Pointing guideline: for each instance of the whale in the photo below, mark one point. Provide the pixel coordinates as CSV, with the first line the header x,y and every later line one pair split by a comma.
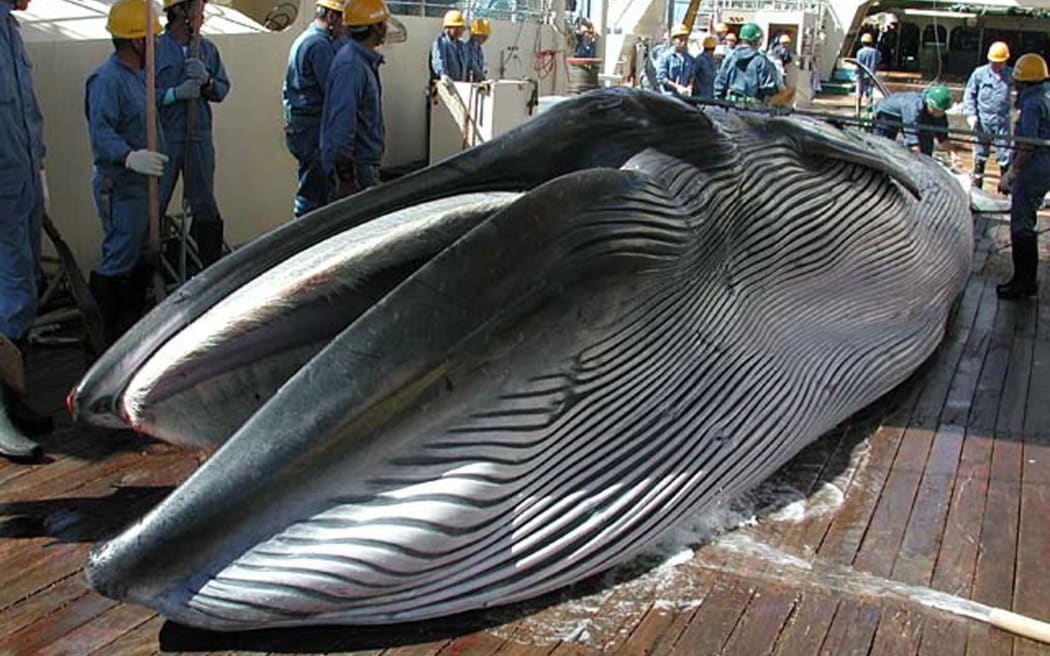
x,y
514,369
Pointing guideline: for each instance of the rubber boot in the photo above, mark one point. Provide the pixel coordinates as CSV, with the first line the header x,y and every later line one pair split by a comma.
x,y
13,443
207,232
1025,255
977,175
106,290
21,414
131,291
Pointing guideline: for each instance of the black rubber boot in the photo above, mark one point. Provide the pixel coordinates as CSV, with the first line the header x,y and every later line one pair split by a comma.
x,y
1025,255
207,232
106,290
977,175
13,443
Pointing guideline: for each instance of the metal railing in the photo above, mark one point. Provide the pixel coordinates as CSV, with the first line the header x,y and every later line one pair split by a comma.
x,y
519,11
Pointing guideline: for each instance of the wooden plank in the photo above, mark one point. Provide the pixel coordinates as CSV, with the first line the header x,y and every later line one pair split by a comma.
x,y
900,630
656,632
1032,584
964,382
805,630
140,640
921,542
99,632
994,575
770,610
985,408
944,635
478,643
852,630
45,631
41,605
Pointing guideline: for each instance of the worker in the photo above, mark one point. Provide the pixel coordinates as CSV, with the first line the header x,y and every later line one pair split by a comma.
x,y
115,104
782,49
480,29
587,43
746,75
986,104
22,206
352,128
309,61
921,116
721,33
1028,178
203,81
870,57
674,70
447,54
704,69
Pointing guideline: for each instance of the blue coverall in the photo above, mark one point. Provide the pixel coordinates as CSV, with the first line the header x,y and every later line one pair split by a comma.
x,y
352,129
746,74
674,67
907,112
586,48
475,61
870,57
987,96
199,184
309,62
1033,180
448,57
21,194
704,71
115,104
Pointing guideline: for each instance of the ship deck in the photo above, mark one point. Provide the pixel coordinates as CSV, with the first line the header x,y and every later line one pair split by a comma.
x,y
943,485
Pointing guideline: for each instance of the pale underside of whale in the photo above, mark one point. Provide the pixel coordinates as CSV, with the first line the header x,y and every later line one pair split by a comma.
x,y
514,369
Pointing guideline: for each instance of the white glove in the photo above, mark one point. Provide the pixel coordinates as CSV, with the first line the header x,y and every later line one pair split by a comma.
x,y
45,192
146,162
972,122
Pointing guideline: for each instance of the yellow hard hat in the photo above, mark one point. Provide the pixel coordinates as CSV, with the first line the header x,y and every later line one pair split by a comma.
x,y
731,37
998,52
334,5
785,38
480,26
1030,67
866,37
127,20
359,13
679,30
721,27
710,42
453,18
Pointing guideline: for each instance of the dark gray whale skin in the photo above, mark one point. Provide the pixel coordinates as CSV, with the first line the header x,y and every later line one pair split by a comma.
x,y
676,304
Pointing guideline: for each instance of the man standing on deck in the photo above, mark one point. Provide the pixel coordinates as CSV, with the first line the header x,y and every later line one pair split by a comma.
x,y
1028,179
480,30
674,70
22,204
115,104
705,69
186,83
352,129
869,56
746,75
986,103
309,61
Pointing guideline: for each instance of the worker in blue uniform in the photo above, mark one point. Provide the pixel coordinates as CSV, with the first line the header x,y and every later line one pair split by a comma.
x,y
192,156
309,61
747,75
986,104
115,104
674,70
352,129
480,30
586,43
448,52
920,116
23,195
1028,179
870,57
782,49
705,69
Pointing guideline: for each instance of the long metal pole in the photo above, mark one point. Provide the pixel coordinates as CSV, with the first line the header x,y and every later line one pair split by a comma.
x,y
151,144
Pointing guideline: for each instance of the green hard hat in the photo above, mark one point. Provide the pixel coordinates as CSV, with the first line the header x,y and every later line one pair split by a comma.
x,y
939,98
751,33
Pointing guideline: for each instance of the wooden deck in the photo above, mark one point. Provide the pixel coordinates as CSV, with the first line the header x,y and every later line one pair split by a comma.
x,y
944,484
